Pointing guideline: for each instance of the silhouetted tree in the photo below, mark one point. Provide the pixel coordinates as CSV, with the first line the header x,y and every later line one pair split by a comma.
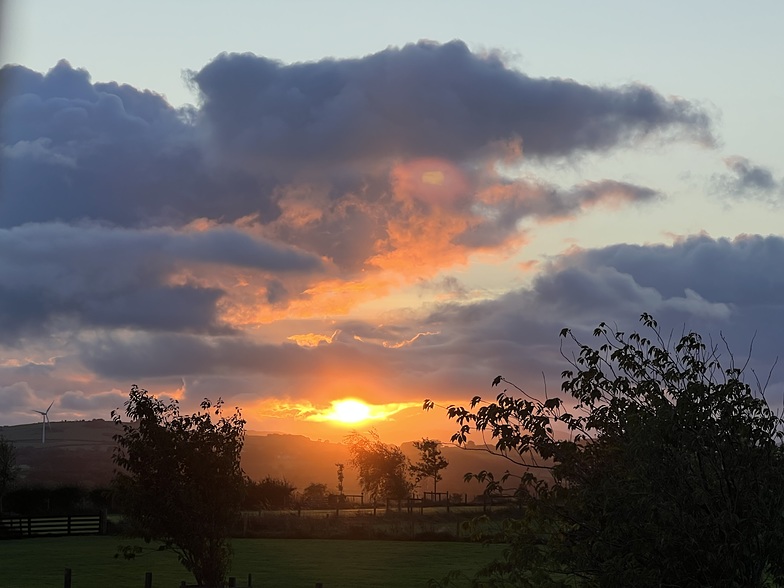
x,y
180,480
8,469
669,470
430,463
383,468
269,493
341,477
315,495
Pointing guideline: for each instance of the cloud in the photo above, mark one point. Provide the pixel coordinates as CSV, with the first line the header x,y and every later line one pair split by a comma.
x,y
371,164
747,180
421,100
501,206
75,150
145,243
16,397
109,277
714,286
77,402
153,355
733,271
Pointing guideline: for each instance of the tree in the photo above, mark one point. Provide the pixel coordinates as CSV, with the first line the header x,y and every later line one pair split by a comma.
x,y
341,477
269,493
430,463
8,469
382,468
668,472
315,495
180,480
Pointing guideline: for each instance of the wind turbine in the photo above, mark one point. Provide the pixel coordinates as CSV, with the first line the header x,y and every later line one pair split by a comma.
x,y
44,421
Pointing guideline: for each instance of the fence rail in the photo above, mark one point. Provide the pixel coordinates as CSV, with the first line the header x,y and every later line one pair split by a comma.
x,y
19,526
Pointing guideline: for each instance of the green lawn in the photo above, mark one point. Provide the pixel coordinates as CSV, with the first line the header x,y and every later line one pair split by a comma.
x,y
274,563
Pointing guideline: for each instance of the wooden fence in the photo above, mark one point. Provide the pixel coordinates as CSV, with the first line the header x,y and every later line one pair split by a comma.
x,y
38,526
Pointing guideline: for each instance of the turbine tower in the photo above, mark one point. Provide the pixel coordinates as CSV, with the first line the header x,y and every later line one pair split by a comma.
x,y
44,421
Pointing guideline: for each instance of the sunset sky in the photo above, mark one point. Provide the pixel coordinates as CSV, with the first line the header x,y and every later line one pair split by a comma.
x,y
287,204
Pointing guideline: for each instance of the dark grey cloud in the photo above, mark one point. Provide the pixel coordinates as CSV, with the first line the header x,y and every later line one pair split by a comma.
x,y
741,271
109,277
423,99
519,200
224,245
74,150
154,355
718,287
748,180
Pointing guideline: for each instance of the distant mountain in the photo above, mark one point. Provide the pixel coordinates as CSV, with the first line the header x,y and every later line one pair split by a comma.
x,y
80,453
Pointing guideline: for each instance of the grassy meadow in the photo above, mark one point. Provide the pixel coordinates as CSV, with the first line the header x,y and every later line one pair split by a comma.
x,y
274,563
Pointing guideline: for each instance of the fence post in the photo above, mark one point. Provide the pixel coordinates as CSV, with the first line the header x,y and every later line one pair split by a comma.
x,y
68,532
319,585
147,579
250,581
183,584
67,578
232,582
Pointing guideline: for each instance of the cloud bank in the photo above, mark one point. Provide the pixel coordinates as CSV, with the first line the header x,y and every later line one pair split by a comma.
x,y
241,242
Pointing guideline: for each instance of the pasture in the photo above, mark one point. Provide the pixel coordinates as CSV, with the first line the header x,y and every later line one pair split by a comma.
x,y
274,563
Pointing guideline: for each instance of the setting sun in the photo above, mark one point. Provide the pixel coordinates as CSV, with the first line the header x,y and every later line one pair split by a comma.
x,y
349,411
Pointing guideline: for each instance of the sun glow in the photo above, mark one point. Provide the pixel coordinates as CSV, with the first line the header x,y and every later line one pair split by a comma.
x,y
349,411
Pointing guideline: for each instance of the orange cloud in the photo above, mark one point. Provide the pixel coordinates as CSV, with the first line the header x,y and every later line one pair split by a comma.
x,y
433,181
408,342
305,410
313,339
435,217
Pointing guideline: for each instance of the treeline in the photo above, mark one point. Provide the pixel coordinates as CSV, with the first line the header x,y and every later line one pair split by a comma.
x,y
60,500
267,494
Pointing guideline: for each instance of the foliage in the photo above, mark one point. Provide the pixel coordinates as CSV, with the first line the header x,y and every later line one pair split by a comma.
x,y
668,472
430,463
315,495
383,468
180,480
341,477
8,468
57,500
269,493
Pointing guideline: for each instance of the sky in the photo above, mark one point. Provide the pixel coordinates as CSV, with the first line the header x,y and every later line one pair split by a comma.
x,y
288,204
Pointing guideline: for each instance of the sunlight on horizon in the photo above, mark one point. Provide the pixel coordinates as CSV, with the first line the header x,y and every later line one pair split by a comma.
x,y
349,410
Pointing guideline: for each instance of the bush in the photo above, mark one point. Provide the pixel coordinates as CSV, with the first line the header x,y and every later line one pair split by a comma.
x,y
667,471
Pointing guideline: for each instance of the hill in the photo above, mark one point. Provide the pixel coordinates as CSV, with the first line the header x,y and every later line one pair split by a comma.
x,y
80,453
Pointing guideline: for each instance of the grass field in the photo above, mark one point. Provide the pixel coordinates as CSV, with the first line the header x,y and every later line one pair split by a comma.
x,y
274,563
